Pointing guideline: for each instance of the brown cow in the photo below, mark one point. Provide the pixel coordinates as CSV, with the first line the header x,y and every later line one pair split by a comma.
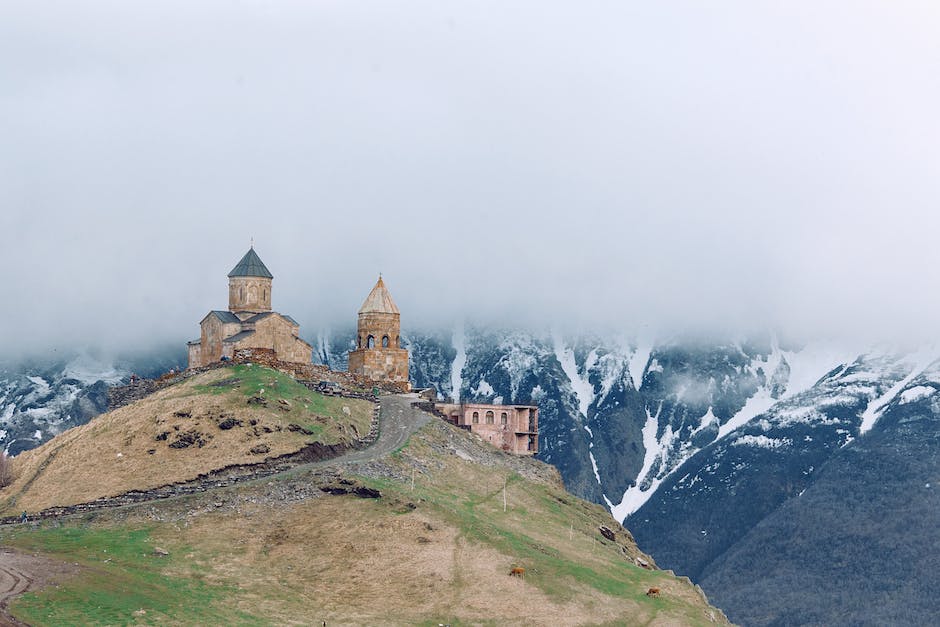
x,y
653,592
517,571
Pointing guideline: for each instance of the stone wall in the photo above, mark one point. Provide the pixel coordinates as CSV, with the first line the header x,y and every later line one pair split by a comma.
x,y
275,332
249,293
380,363
315,372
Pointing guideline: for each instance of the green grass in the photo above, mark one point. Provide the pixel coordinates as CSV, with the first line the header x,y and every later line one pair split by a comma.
x,y
550,563
250,381
120,575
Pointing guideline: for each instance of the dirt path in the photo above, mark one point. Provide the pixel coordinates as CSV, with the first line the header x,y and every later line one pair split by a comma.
x,y
21,573
397,421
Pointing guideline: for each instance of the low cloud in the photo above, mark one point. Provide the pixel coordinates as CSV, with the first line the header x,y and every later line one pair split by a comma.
x,y
676,168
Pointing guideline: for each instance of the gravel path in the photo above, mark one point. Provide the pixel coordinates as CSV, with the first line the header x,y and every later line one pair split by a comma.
x,y
397,421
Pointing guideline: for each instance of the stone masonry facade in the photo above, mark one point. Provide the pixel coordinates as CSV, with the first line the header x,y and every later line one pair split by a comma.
x,y
249,322
378,354
512,428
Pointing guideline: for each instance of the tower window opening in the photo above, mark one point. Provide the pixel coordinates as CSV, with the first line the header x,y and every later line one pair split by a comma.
x,y
370,342
384,341
476,417
489,417
503,418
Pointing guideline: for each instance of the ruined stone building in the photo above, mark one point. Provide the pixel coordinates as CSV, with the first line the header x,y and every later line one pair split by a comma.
x,y
378,354
513,428
249,321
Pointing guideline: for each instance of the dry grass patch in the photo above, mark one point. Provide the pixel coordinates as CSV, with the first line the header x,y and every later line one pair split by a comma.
x,y
238,415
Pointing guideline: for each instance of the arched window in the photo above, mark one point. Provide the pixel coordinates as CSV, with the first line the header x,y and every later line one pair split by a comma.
x,y
489,417
265,297
384,341
241,294
397,342
503,418
370,342
359,342
476,417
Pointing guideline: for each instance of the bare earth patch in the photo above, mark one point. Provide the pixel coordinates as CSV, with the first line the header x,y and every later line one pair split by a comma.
x,y
21,572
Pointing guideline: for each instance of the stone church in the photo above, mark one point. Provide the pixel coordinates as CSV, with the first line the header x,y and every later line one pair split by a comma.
x,y
378,353
249,321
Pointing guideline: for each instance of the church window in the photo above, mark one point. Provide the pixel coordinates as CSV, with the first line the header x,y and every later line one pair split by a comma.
x,y
385,341
397,344
370,342
503,418
476,417
359,342
489,417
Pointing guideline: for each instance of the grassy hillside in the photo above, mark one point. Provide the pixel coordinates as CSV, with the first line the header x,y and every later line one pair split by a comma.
x,y
436,547
238,415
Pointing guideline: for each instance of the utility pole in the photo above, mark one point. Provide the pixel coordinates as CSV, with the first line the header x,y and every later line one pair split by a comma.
x,y
504,493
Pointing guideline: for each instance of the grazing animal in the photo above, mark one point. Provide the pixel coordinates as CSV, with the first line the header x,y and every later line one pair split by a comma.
x,y
653,592
517,571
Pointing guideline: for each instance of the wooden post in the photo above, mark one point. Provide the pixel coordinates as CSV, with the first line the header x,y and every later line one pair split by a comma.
x,y
504,493
412,479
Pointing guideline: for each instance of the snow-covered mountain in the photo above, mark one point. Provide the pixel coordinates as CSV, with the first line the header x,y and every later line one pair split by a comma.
x,y
40,398
721,457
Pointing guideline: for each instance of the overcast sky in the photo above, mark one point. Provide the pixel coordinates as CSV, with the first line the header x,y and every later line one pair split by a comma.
x,y
681,164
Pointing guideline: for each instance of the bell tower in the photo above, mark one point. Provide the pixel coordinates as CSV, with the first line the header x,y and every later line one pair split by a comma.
x,y
249,285
378,354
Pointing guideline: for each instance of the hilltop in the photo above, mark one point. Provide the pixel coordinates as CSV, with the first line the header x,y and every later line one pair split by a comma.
x,y
242,415
422,527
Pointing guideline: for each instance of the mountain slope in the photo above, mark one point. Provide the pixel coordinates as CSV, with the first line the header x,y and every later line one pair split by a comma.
x,y
863,535
449,518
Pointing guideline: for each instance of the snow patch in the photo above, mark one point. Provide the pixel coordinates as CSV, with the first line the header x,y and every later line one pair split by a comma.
x,y
483,389
37,435
583,389
638,361
594,466
634,497
41,385
459,342
915,394
919,362
762,441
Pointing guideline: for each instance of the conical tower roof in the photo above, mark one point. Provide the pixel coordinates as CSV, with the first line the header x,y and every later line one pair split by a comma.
x,y
379,300
251,265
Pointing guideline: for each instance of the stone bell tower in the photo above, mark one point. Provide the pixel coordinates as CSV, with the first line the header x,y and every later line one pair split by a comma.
x,y
249,286
378,353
